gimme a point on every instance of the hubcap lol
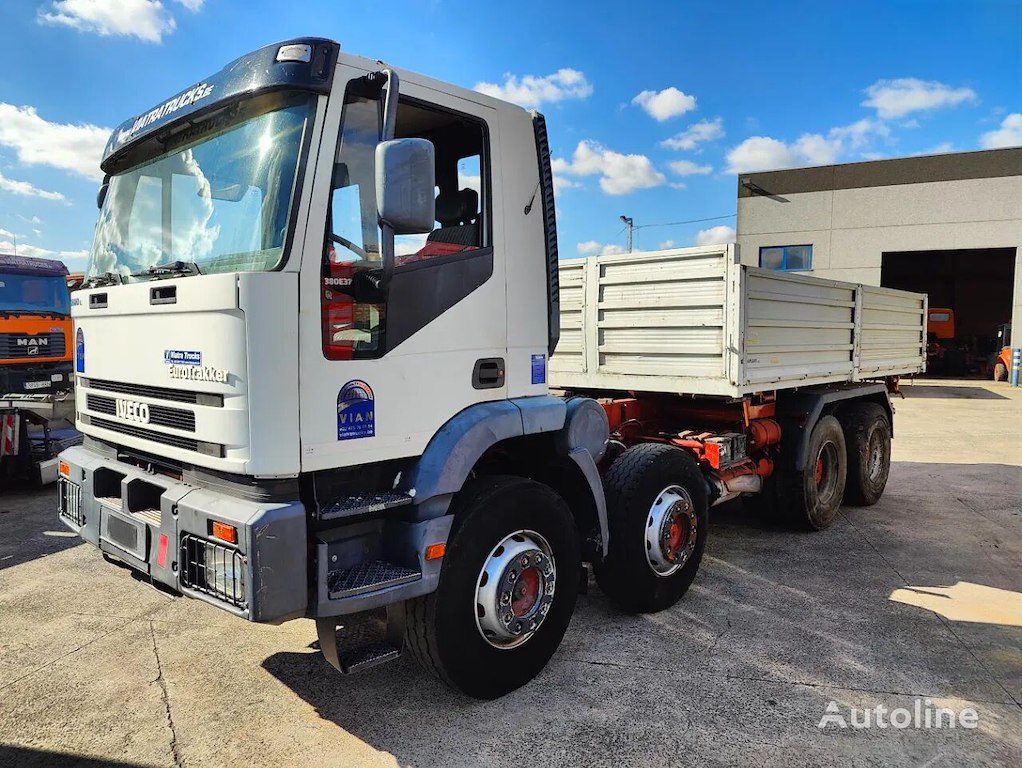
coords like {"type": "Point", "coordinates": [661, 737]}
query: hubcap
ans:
{"type": "Point", "coordinates": [671, 531]}
{"type": "Point", "coordinates": [876, 457]}
{"type": "Point", "coordinates": [515, 589]}
{"type": "Point", "coordinates": [826, 472]}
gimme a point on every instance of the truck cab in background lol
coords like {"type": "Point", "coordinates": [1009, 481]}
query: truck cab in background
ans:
{"type": "Point", "coordinates": [35, 326]}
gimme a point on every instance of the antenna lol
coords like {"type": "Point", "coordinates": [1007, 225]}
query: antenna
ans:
{"type": "Point", "coordinates": [630, 223]}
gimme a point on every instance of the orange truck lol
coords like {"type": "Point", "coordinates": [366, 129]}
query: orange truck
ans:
{"type": "Point", "coordinates": [35, 326]}
{"type": "Point", "coordinates": [1002, 364]}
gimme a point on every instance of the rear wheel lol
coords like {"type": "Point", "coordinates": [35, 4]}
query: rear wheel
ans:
{"type": "Point", "coordinates": [811, 497]}
{"type": "Point", "coordinates": [1000, 371]}
{"type": "Point", "coordinates": [868, 438]}
{"type": "Point", "coordinates": [507, 588]}
{"type": "Point", "coordinates": [657, 510]}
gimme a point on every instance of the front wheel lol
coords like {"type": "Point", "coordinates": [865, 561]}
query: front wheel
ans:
{"type": "Point", "coordinates": [507, 588]}
{"type": "Point", "coordinates": [657, 513]}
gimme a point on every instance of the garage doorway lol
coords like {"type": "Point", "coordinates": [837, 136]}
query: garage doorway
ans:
{"type": "Point", "coordinates": [975, 283]}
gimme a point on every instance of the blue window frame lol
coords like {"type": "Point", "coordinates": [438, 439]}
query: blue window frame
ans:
{"type": "Point", "coordinates": [786, 258]}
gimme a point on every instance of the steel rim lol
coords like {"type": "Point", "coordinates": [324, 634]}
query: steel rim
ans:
{"type": "Point", "coordinates": [876, 457]}
{"type": "Point", "coordinates": [515, 589]}
{"type": "Point", "coordinates": [671, 531]}
{"type": "Point", "coordinates": [826, 472]}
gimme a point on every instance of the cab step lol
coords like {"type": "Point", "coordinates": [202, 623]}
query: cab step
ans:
{"type": "Point", "coordinates": [362, 640]}
{"type": "Point", "coordinates": [369, 576]}
{"type": "Point", "coordinates": [363, 504]}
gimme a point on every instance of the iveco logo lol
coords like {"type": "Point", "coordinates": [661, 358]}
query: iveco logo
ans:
{"type": "Point", "coordinates": [129, 409]}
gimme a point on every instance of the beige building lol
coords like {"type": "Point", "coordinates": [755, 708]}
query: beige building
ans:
{"type": "Point", "coordinates": [947, 225]}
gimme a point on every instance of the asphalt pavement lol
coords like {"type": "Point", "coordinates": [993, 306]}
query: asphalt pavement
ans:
{"type": "Point", "coordinates": [914, 604]}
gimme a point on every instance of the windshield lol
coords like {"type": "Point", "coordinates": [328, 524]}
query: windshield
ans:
{"type": "Point", "coordinates": [221, 198]}
{"type": "Point", "coordinates": [32, 293]}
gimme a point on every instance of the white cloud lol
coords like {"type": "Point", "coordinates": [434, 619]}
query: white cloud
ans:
{"type": "Point", "coordinates": [38, 232]}
{"type": "Point", "coordinates": [899, 97]}
{"type": "Point", "coordinates": [562, 182]}
{"type": "Point", "coordinates": [1008, 135]}
{"type": "Point", "coordinates": [688, 168]}
{"type": "Point", "coordinates": [8, 233]}
{"type": "Point", "coordinates": [764, 153]}
{"type": "Point", "coordinates": [619, 174]}
{"type": "Point", "coordinates": [532, 91]}
{"type": "Point", "coordinates": [715, 235]}
{"type": "Point", "coordinates": [592, 247]}
{"type": "Point", "coordinates": [29, 190]}
{"type": "Point", "coordinates": [30, 219]}
{"type": "Point", "coordinates": [666, 244]}
{"type": "Point", "coordinates": [71, 147]}
{"type": "Point", "coordinates": [145, 19]}
{"type": "Point", "coordinates": [695, 134]}
{"type": "Point", "coordinates": [665, 104]}
{"type": "Point", "coordinates": [43, 253]}
{"type": "Point", "coordinates": [860, 132]}
{"type": "Point", "coordinates": [192, 5]}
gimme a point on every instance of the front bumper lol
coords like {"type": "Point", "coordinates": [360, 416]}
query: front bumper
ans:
{"type": "Point", "coordinates": [164, 528]}
{"type": "Point", "coordinates": [42, 379]}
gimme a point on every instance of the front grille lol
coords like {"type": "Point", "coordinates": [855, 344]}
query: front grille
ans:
{"type": "Point", "coordinates": [159, 415]}
{"type": "Point", "coordinates": [213, 569]}
{"type": "Point", "coordinates": [146, 434]}
{"type": "Point", "coordinates": [157, 393]}
{"type": "Point", "coordinates": [17, 345]}
{"type": "Point", "coordinates": [69, 501]}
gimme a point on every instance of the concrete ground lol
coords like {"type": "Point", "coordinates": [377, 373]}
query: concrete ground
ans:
{"type": "Point", "coordinates": [97, 668]}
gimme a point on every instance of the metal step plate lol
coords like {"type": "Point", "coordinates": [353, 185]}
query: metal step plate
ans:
{"type": "Point", "coordinates": [363, 503]}
{"type": "Point", "coordinates": [369, 577]}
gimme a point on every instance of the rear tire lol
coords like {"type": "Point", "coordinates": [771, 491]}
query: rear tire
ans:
{"type": "Point", "coordinates": [1000, 372]}
{"type": "Point", "coordinates": [445, 629]}
{"type": "Point", "coordinates": [868, 438]}
{"type": "Point", "coordinates": [811, 497]}
{"type": "Point", "coordinates": [652, 488]}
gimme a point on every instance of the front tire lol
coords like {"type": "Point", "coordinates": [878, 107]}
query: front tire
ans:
{"type": "Point", "coordinates": [657, 513]}
{"type": "Point", "coordinates": [868, 437]}
{"type": "Point", "coordinates": [513, 538]}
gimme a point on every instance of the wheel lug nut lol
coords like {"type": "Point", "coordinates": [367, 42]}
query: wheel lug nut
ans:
{"type": "Point", "coordinates": [524, 561]}
{"type": "Point", "coordinates": [505, 598]}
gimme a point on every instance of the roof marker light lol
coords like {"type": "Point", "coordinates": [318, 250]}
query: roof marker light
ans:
{"type": "Point", "coordinates": [295, 53]}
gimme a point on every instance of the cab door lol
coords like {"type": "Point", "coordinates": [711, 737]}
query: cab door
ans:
{"type": "Point", "coordinates": [385, 363]}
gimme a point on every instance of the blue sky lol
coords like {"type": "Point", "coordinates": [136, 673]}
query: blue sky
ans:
{"type": "Point", "coordinates": [652, 106]}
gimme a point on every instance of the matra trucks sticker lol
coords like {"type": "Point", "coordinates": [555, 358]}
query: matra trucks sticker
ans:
{"type": "Point", "coordinates": [187, 364]}
{"type": "Point", "coordinates": [356, 411]}
{"type": "Point", "coordinates": [193, 94]}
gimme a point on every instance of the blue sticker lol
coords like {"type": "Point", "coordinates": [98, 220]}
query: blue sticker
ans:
{"type": "Point", "coordinates": [539, 369]}
{"type": "Point", "coordinates": [356, 411]}
{"type": "Point", "coordinates": [80, 351]}
{"type": "Point", "coordinates": [181, 357]}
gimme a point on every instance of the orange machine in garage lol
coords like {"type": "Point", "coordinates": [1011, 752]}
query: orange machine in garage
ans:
{"type": "Point", "coordinates": [35, 326]}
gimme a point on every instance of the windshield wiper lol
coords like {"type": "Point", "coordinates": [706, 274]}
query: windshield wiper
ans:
{"type": "Point", "coordinates": [173, 269]}
{"type": "Point", "coordinates": [106, 278]}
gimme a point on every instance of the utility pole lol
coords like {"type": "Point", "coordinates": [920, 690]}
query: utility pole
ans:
{"type": "Point", "coordinates": [630, 223]}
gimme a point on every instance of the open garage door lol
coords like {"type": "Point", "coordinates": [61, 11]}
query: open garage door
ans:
{"type": "Point", "coordinates": [975, 283]}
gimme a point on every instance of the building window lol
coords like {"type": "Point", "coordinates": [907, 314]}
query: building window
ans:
{"type": "Point", "coordinates": [787, 258]}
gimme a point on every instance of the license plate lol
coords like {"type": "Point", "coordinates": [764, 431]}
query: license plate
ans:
{"type": "Point", "coordinates": [36, 384]}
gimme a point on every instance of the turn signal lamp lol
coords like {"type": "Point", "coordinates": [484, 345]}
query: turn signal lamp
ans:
{"type": "Point", "coordinates": [225, 532]}
{"type": "Point", "coordinates": [436, 551]}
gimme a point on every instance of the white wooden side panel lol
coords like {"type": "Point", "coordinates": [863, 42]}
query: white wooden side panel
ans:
{"type": "Point", "coordinates": [892, 337]}
{"type": "Point", "coordinates": [570, 356]}
{"type": "Point", "coordinates": [647, 321]}
{"type": "Point", "coordinates": [798, 329]}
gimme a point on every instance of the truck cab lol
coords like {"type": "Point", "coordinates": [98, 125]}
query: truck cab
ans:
{"type": "Point", "coordinates": [312, 339]}
{"type": "Point", "coordinates": [35, 326]}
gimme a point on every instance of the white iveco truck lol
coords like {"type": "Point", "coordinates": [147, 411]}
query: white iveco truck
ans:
{"type": "Point", "coordinates": [312, 370]}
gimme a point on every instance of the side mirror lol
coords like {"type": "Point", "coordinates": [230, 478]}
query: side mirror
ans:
{"type": "Point", "coordinates": [101, 193]}
{"type": "Point", "coordinates": [405, 180]}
